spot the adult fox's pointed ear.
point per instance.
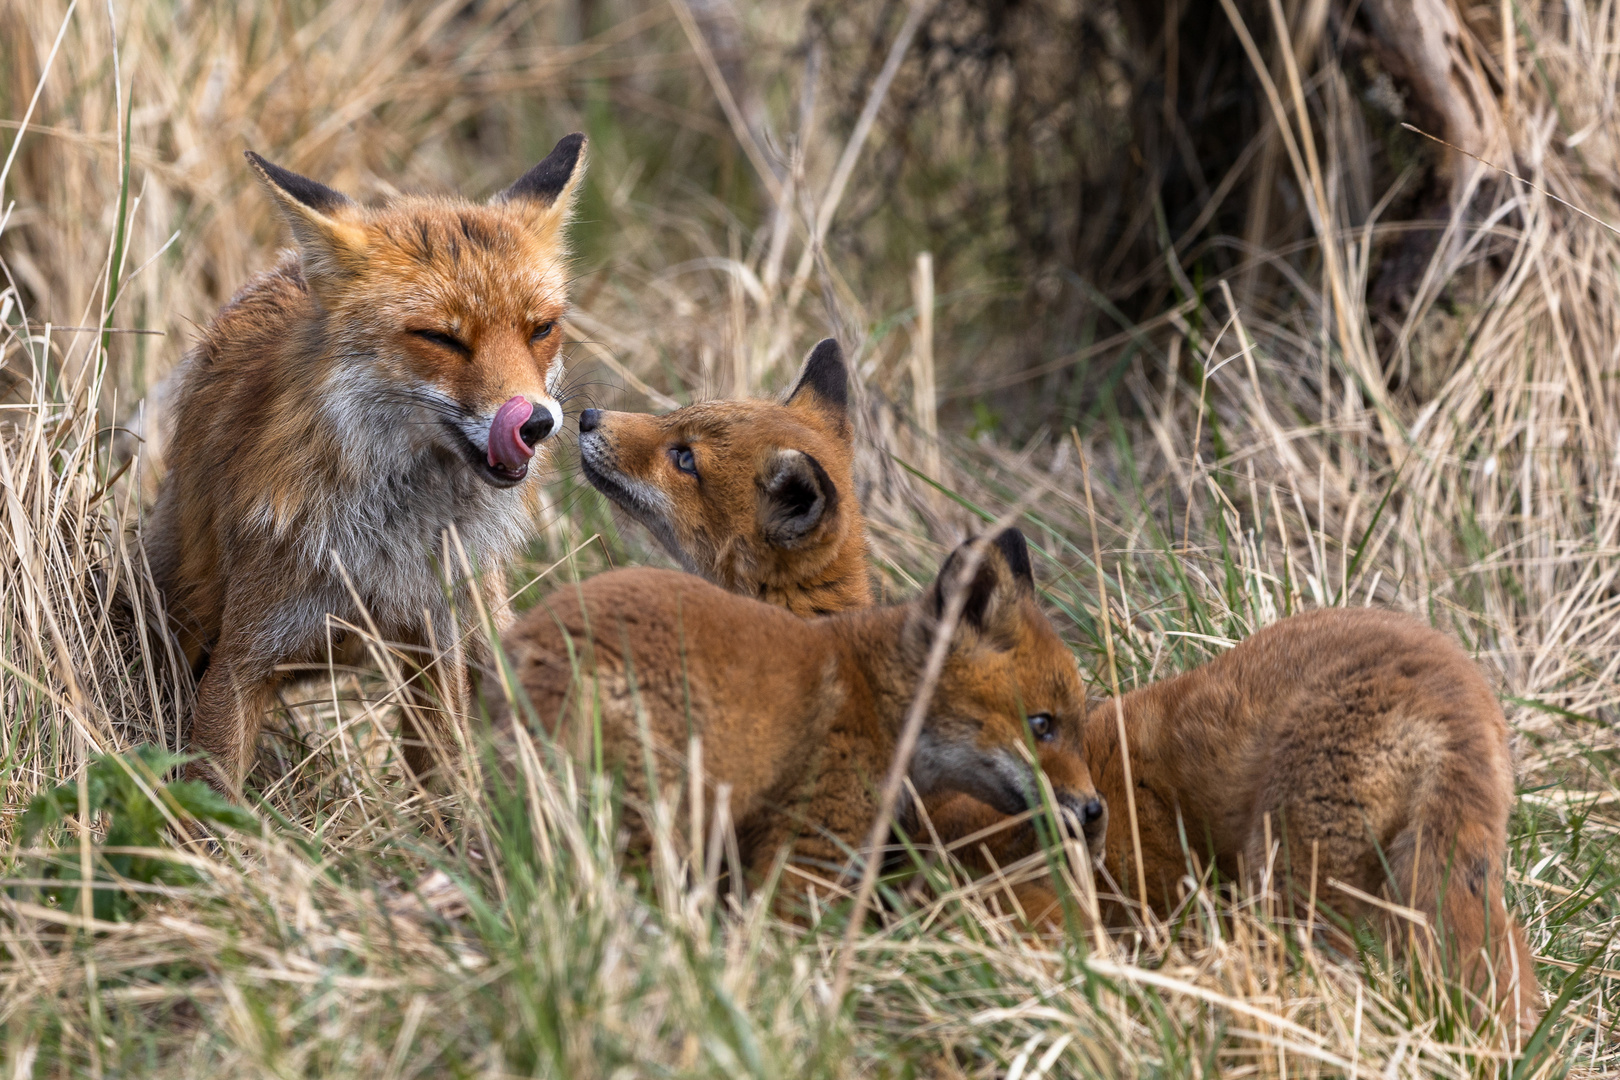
(995, 590)
(824, 384)
(796, 499)
(545, 194)
(331, 244)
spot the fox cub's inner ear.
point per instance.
(824, 384)
(548, 190)
(992, 607)
(795, 497)
(330, 243)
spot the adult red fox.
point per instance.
(388, 382)
(800, 717)
(1363, 734)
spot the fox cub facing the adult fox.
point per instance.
(390, 381)
(756, 496)
(800, 717)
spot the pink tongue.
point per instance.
(506, 445)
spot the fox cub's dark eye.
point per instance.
(1040, 726)
(684, 460)
(541, 331)
(444, 341)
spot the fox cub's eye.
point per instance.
(444, 341)
(541, 331)
(1040, 726)
(684, 460)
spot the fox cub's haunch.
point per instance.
(390, 381)
(1366, 747)
(756, 496)
(799, 717)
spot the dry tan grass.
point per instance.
(371, 931)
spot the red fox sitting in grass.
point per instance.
(1363, 735)
(800, 717)
(390, 381)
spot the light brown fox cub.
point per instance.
(753, 495)
(389, 382)
(1378, 752)
(799, 717)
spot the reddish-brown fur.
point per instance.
(1326, 721)
(724, 521)
(1366, 738)
(327, 434)
(803, 745)
(765, 506)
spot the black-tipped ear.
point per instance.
(1013, 548)
(795, 497)
(331, 244)
(546, 182)
(824, 383)
(993, 601)
(300, 189)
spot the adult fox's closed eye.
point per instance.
(385, 384)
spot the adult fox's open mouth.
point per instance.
(496, 475)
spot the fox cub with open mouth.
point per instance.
(391, 380)
(799, 718)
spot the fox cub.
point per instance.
(391, 380)
(1365, 747)
(1362, 733)
(755, 496)
(799, 717)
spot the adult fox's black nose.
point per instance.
(589, 419)
(1091, 811)
(536, 427)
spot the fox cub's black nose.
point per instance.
(1092, 810)
(536, 427)
(589, 419)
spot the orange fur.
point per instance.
(756, 465)
(765, 505)
(802, 746)
(1319, 721)
(1360, 738)
(333, 423)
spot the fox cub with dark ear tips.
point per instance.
(756, 496)
(799, 717)
(392, 380)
